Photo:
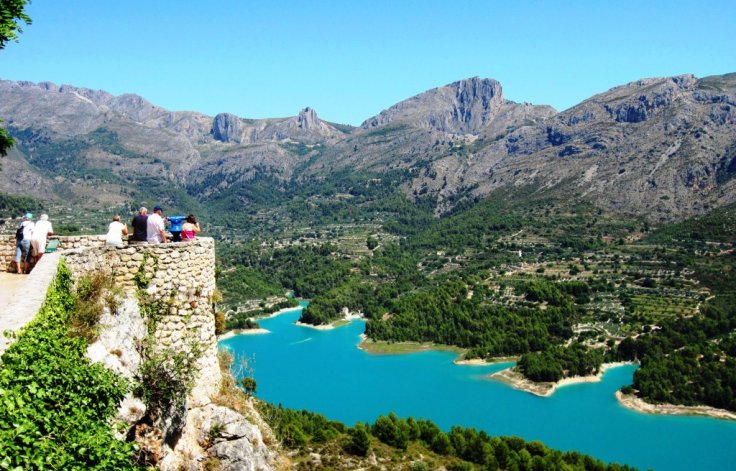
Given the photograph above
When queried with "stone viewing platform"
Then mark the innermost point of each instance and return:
(181, 274)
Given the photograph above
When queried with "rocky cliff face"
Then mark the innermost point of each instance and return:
(66, 133)
(661, 147)
(306, 128)
(204, 432)
(465, 107)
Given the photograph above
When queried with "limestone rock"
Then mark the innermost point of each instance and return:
(227, 127)
(117, 340)
(238, 444)
(463, 107)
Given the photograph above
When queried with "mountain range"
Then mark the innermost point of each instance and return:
(662, 148)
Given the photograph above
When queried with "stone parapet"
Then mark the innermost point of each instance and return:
(181, 276)
(7, 246)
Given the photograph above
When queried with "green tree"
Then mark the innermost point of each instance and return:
(371, 243)
(392, 431)
(441, 444)
(11, 16)
(360, 441)
(6, 142)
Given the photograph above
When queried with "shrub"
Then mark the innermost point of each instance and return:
(219, 322)
(93, 292)
(56, 404)
(249, 385)
(360, 440)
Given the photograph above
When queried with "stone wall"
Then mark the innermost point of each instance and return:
(180, 276)
(7, 246)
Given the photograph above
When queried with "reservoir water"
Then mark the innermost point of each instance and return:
(324, 372)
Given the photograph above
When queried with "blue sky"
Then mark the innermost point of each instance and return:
(351, 59)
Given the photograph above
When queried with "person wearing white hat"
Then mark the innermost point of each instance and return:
(42, 230)
(23, 244)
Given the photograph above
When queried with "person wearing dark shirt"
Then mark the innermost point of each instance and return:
(139, 224)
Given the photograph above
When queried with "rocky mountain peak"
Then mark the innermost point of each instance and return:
(226, 127)
(135, 107)
(638, 101)
(464, 107)
(308, 119)
(478, 100)
(477, 93)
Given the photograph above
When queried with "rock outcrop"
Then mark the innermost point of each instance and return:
(227, 127)
(463, 107)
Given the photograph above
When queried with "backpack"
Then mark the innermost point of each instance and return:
(19, 232)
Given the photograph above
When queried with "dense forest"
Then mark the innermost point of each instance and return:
(421, 443)
(558, 362)
(15, 206)
(518, 275)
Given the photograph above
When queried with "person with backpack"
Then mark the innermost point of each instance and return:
(23, 244)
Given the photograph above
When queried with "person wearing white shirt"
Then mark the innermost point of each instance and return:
(155, 229)
(42, 230)
(115, 232)
(23, 245)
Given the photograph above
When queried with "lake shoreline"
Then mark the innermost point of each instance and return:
(257, 331)
(382, 347)
(632, 402)
(355, 386)
(347, 318)
(545, 389)
(236, 332)
(485, 362)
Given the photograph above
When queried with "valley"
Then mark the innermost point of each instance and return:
(454, 220)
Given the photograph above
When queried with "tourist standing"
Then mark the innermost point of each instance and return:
(23, 244)
(41, 230)
(115, 232)
(155, 227)
(139, 225)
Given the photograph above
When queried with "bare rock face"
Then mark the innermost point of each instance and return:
(637, 101)
(307, 119)
(206, 431)
(135, 107)
(235, 442)
(463, 107)
(227, 127)
(658, 147)
(306, 128)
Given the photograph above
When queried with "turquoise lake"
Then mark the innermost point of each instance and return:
(324, 372)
